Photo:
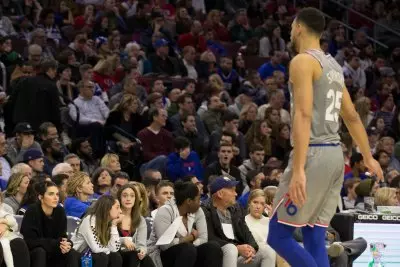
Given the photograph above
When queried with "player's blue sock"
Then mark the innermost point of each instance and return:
(314, 243)
(280, 238)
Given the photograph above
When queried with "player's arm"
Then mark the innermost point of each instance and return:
(357, 131)
(354, 125)
(301, 77)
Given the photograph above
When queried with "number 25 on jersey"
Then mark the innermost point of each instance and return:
(335, 102)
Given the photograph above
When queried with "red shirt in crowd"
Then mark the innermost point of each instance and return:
(154, 145)
(104, 81)
(198, 42)
(220, 31)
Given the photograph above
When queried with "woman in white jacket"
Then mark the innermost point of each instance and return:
(259, 225)
(98, 233)
(132, 229)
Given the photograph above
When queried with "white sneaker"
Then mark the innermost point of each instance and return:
(335, 249)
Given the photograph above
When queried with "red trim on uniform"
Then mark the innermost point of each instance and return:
(322, 225)
(277, 206)
(291, 224)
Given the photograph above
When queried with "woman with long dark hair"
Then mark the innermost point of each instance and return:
(31, 195)
(272, 42)
(260, 132)
(44, 228)
(132, 229)
(281, 137)
(98, 233)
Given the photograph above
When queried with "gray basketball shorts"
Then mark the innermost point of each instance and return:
(324, 178)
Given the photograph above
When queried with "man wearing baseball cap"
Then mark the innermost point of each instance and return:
(227, 226)
(24, 140)
(161, 63)
(34, 158)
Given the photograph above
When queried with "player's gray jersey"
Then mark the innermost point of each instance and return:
(327, 92)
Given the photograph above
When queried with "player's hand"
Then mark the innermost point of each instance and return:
(297, 188)
(374, 168)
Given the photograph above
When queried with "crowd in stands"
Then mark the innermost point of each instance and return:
(163, 128)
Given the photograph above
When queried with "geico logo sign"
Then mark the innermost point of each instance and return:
(391, 217)
(367, 217)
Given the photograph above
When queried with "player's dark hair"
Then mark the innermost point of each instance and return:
(313, 19)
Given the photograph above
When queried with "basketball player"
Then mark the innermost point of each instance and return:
(308, 192)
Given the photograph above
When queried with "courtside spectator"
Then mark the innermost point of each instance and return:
(79, 190)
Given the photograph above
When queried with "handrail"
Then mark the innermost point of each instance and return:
(354, 30)
(365, 17)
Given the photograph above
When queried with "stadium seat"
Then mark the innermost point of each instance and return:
(19, 220)
(72, 224)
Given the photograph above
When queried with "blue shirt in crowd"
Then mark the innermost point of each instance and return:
(74, 207)
(178, 168)
(267, 70)
(243, 200)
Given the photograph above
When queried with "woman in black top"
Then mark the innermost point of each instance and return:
(44, 228)
(126, 116)
(122, 126)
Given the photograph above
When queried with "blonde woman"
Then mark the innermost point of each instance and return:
(104, 72)
(259, 225)
(247, 116)
(363, 108)
(16, 190)
(144, 199)
(111, 162)
(386, 196)
(79, 190)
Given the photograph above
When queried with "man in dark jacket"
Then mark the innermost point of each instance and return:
(227, 226)
(224, 167)
(36, 99)
(160, 62)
